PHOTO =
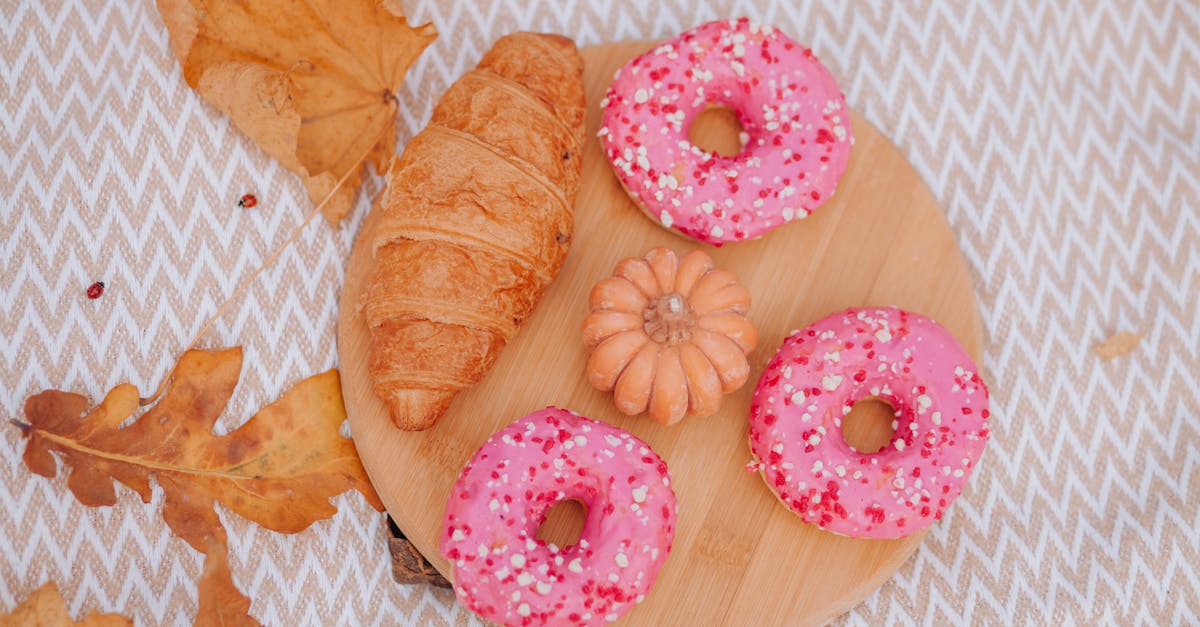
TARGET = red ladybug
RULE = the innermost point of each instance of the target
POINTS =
(95, 290)
(247, 201)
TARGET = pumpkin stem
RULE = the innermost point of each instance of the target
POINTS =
(669, 320)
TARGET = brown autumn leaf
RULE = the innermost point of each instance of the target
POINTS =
(45, 607)
(279, 469)
(312, 82)
(221, 603)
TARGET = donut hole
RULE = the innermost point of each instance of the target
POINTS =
(563, 523)
(868, 427)
(717, 129)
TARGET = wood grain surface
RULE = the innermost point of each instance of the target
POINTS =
(739, 556)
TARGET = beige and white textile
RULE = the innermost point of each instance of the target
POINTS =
(1062, 138)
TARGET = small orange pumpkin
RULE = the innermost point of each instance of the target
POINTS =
(669, 335)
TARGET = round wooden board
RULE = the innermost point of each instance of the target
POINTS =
(739, 556)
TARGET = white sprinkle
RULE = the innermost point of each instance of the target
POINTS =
(936, 417)
(639, 494)
(717, 231)
(523, 609)
(494, 505)
(612, 618)
(517, 560)
(641, 96)
(666, 219)
(622, 561)
(668, 181)
(817, 466)
(883, 335)
(524, 579)
(502, 573)
(483, 550)
(612, 440)
(778, 448)
(923, 403)
(613, 577)
(543, 587)
(515, 596)
(831, 382)
(575, 566)
(958, 472)
(900, 444)
(798, 397)
(840, 470)
(580, 440)
(457, 536)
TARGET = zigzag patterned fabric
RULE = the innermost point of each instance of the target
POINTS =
(1063, 142)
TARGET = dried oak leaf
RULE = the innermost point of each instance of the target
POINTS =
(45, 607)
(279, 469)
(312, 82)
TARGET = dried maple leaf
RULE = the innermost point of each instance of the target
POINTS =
(278, 469)
(312, 82)
(45, 607)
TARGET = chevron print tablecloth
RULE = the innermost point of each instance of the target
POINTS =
(1063, 142)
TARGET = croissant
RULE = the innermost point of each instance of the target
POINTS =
(475, 223)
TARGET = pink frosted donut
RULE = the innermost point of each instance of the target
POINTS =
(795, 141)
(902, 358)
(505, 574)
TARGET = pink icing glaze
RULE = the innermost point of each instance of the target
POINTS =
(796, 131)
(505, 574)
(903, 358)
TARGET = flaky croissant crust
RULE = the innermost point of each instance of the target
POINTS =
(475, 223)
